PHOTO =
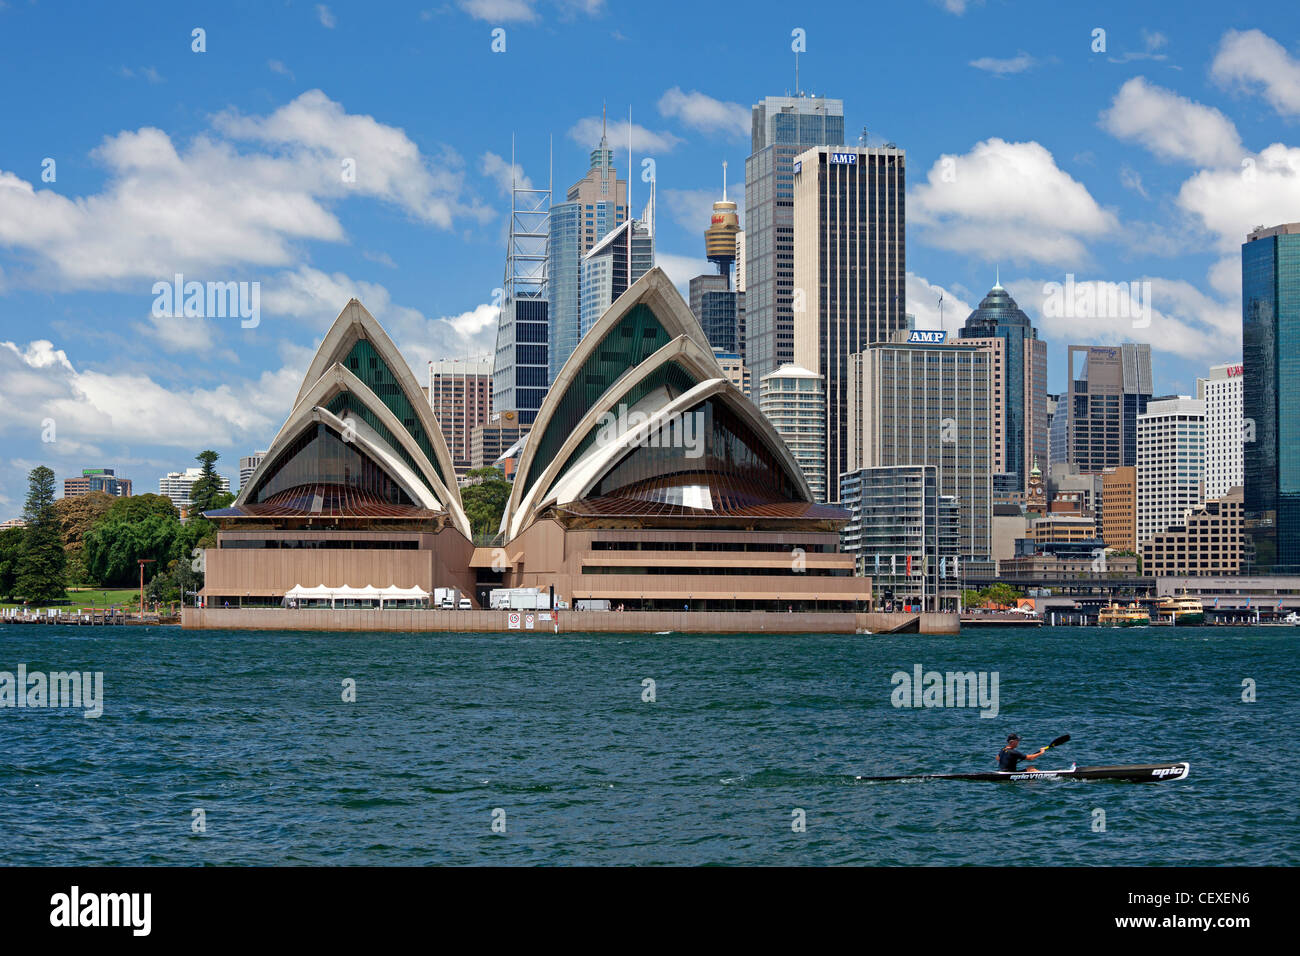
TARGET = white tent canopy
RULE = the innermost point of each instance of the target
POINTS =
(346, 593)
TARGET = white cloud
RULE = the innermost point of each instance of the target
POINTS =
(500, 11)
(1171, 126)
(277, 66)
(586, 132)
(1132, 179)
(692, 208)
(503, 173)
(1019, 63)
(1252, 60)
(1264, 190)
(1184, 321)
(958, 7)
(38, 382)
(316, 297)
(1008, 201)
(922, 298)
(326, 16)
(175, 334)
(703, 112)
(682, 269)
(210, 208)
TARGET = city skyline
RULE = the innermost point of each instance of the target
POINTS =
(1149, 162)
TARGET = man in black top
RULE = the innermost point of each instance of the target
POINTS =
(1009, 756)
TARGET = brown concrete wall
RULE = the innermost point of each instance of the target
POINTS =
(570, 622)
(441, 561)
(544, 555)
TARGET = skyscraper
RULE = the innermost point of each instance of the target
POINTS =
(1171, 457)
(460, 394)
(1221, 393)
(1058, 421)
(1109, 388)
(177, 486)
(613, 264)
(1021, 432)
(794, 401)
(782, 127)
(719, 308)
(849, 271)
(594, 206)
(914, 404)
(520, 372)
(1270, 339)
(248, 465)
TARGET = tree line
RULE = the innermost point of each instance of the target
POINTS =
(98, 540)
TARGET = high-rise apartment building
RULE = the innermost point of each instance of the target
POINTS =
(1109, 389)
(794, 400)
(1221, 393)
(929, 404)
(1020, 363)
(1171, 459)
(97, 479)
(460, 394)
(520, 369)
(904, 533)
(177, 485)
(1270, 345)
(247, 466)
(849, 273)
(782, 128)
(594, 206)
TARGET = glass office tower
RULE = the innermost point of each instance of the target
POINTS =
(1024, 379)
(1270, 338)
(782, 128)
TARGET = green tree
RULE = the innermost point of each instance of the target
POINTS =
(139, 507)
(208, 487)
(114, 547)
(76, 517)
(41, 561)
(485, 500)
(1000, 593)
(11, 546)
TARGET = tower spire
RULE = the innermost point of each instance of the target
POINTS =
(997, 276)
(724, 180)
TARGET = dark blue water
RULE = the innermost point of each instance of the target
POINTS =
(251, 728)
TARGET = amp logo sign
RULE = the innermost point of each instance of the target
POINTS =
(928, 336)
(844, 159)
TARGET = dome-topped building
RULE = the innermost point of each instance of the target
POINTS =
(1020, 361)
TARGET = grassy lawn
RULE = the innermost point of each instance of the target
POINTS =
(91, 597)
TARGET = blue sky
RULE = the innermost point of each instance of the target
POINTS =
(1030, 149)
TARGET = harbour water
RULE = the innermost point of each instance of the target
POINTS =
(551, 738)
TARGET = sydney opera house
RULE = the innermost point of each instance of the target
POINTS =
(648, 481)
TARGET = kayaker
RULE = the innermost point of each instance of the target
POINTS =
(1009, 756)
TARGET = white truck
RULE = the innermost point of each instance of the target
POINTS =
(520, 599)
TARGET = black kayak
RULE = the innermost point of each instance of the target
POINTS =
(1131, 773)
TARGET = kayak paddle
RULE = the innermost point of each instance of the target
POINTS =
(1064, 738)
